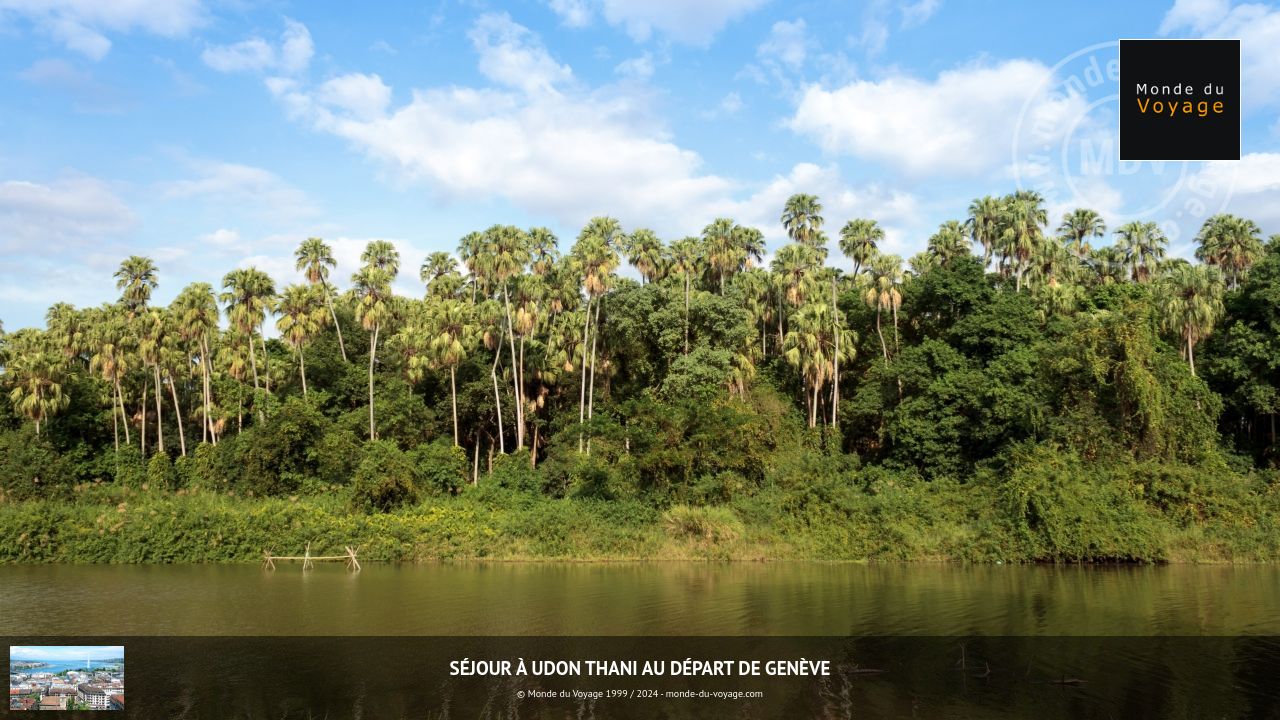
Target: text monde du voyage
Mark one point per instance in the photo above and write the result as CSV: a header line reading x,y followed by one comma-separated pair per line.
x,y
1180,99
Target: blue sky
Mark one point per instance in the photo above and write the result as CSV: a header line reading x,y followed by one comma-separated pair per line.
x,y
65,652
211,134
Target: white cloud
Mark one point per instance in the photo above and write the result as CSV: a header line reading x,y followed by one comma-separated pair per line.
x,y
255,54
639,68
898,212
1258,28
86,93
81,25
235,186
222,238
690,23
511,55
538,139
38,218
363,96
787,43
1254,186
919,12
961,123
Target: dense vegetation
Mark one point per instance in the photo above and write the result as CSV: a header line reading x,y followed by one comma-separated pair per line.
x,y
1041,400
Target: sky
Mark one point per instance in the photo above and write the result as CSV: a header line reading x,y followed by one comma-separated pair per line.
x,y
214,134
53,653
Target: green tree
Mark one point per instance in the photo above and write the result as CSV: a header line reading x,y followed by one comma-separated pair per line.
x,y
1191,303
301,315
371,286
315,260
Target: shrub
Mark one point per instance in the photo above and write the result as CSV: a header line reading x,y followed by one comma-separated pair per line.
x,y
160,472
707,524
384,480
440,467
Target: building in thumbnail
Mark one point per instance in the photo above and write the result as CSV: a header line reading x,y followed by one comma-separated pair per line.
x,y
93,696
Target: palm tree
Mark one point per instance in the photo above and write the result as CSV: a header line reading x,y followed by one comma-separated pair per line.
x,y
1078,226
984,219
596,256
645,252
686,261
196,311
111,358
315,259
372,288
439,272
859,240
802,218
543,251
1231,243
301,317
881,293
949,243
247,295
34,372
1191,302
150,347
723,253
795,265
136,278
452,331
1021,230
1143,246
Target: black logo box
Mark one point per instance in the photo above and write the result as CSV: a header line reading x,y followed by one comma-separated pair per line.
x,y
1185,67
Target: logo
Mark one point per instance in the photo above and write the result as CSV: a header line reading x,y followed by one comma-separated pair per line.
x,y
1067,147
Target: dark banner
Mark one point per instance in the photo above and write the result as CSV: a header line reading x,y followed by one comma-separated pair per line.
x,y
279,678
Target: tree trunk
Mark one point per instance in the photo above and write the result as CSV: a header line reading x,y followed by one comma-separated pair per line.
x,y
591,392
159,406
208,390
835,360
328,299
123,417
266,360
533,449
1191,357
115,426
497,397
453,392
373,354
582,393
883,347
177,413
897,345
515,372
475,465
686,313
143,438
302,370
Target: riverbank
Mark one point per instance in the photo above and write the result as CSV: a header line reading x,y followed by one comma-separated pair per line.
x,y
1157,514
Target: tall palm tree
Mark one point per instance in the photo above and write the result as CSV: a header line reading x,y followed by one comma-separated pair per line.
x,y
1078,226
984,219
371,286
1022,230
439,272
1231,243
723,252
196,311
452,331
111,358
1191,302
881,292
796,266
802,218
949,243
136,278
859,241
247,295
315,259
151,339
301,312
596,256
1143,245
686,261
645,252
543,251
34,373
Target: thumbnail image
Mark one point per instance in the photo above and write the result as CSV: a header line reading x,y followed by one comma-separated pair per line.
x,y
66,677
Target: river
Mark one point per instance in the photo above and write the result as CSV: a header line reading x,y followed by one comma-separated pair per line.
x,y
904,640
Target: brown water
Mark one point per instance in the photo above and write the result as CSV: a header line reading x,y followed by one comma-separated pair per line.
x,y
640,599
